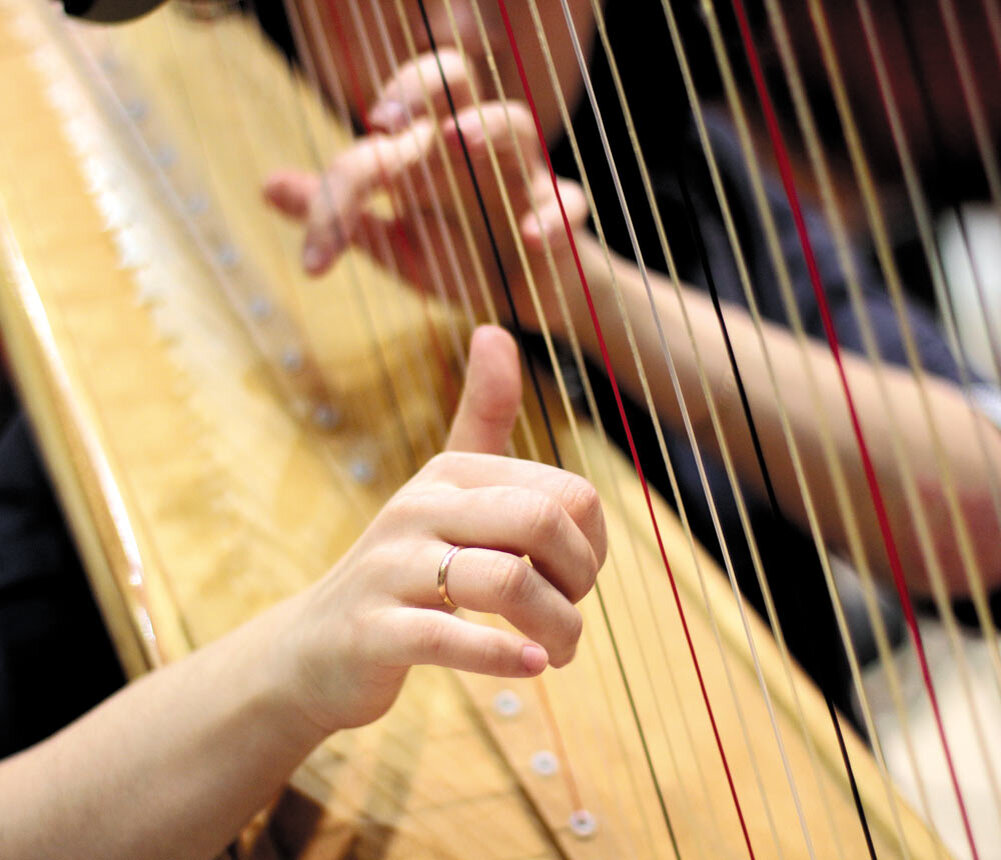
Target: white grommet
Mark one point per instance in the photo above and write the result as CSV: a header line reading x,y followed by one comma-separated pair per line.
x,y
507,703
228,256
362,470
583,824
292,359
260,307
326,417
544,763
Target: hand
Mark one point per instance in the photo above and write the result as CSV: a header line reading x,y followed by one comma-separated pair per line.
x,y
401,159
358,630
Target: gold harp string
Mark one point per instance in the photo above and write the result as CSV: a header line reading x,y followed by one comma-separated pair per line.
x,y
668,257
581,451
922,213
417,215
637,463
764,586
550,717
558,289
554,728
313,77
379,247
834,216
893,280
841,492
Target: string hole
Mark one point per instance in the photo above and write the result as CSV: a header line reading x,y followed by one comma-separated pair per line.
x,y
544,763
507,703
583,824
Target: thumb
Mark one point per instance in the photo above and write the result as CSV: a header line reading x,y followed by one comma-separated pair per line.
x,y
491,395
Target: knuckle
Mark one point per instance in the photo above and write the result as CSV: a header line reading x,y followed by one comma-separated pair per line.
x,y
546,519
513,579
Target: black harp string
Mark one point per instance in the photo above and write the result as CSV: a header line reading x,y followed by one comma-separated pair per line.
x,y
889,541
585,381
742,127
520,335
847,511
375,239
705,263
478,105
944,606
467,820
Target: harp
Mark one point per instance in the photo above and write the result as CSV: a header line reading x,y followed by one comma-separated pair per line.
x,y
164,338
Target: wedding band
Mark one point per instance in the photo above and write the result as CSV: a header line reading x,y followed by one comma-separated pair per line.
x,y
443,576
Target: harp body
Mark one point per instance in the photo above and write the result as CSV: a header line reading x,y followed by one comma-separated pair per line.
x,y
220,431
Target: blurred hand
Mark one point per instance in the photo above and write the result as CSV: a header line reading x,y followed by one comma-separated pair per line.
x,y
404,159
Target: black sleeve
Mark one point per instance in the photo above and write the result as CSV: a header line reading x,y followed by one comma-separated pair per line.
x,y
109,11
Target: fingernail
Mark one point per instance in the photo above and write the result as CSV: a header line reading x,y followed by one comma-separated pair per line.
x,y
313,258
534,658
388,116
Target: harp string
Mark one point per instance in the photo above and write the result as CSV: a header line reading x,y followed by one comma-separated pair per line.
x,y
551,720
972,568
672,269
582,370
572,788
836,471
919,205
537,307
875,491
920,208
836,221
375,238
711,406
625,422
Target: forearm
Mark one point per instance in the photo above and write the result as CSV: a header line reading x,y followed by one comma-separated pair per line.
x,y
812,395
170,767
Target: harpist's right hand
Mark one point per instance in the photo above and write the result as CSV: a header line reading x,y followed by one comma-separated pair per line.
x,y
379,611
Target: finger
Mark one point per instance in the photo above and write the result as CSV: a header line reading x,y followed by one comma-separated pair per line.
x,y
290,192
572,492
407,94
485,580
418,636
495,132
547,224
491,395
522,522
341,195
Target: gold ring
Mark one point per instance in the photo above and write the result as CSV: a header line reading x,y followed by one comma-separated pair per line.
x,y
443,576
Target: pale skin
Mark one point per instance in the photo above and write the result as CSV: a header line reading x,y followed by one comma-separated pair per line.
x,y
174,764
333,209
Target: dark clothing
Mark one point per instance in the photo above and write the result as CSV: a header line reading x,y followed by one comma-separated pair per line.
x,y
56,661
691,214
